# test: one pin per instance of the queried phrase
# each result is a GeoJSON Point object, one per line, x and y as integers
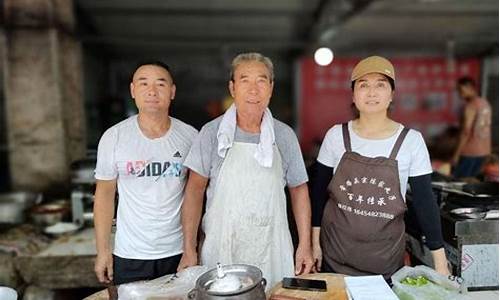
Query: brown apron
{"type": "Point", "coordinates": [362, 232]}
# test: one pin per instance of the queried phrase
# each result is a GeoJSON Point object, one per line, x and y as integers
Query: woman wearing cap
{"type": "Point", "coordinates": [360, 212]}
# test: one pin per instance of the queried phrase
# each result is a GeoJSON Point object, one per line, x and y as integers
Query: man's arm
{"type": "Point", "coordinates": [191, 214]}
{"type": "Point", "coordinates": [301, 206]}
{"type": "Point", "coordinates": [467, 122]}
{"type": "Point", "coordinates": [104, 209]}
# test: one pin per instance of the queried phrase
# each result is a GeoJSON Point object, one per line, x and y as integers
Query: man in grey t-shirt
{"type": "Point", "coordinates": [243, 160]}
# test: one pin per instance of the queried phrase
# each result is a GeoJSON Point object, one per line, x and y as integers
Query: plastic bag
{"type": "Point", "coordinates": [439, 287]}
{"type": "Point", "coordinates": [171, 287]}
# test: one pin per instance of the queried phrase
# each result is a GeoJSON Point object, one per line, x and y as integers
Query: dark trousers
{"type": "Point", "coordinates": [468, 166]}
{"type": "Point", "coordinates": [128, 270]}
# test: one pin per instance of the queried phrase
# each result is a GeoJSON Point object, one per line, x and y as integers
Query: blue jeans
{"type": "Point", "coordinates": [468, 166]}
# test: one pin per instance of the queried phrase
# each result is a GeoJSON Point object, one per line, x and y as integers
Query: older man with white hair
{"type": "Point", "coordinates": [243, 160]}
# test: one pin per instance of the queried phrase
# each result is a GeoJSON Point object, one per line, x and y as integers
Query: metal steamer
{"type": "Point", "coordinates": [252, 289]}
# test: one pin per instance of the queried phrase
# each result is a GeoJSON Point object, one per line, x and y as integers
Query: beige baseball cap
{"type": "Point", "coordinates": [373, 64]}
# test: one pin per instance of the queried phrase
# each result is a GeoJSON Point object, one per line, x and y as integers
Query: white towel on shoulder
{"type": "Point", "coordinates": [227, 128]}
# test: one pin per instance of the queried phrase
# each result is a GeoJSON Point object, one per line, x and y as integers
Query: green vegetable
{"type": "Point", "coordinates": [415, 281]}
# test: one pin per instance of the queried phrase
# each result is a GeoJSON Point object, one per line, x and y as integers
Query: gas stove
{"type": "Point", "coordinates": [471, 244]}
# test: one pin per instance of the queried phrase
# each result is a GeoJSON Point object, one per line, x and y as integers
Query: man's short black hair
{"type": "Point", "coordinates": [157, 63]}
{"type": "Point", "coordinates": [466, 80]}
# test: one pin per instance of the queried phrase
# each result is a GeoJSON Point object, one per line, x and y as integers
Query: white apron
{"type": "Point", "coordinates": [246, 221]}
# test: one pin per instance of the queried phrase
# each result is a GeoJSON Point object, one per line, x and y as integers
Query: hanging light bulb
{"type": "Point", "coordinates": [323, 56]}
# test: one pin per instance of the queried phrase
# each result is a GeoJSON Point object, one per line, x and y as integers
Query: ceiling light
{"type": "Point", "coordinates": [323, 56]}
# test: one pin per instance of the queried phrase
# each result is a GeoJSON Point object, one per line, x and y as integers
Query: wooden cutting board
{"type": "Point", "coordinates": [334, 284]}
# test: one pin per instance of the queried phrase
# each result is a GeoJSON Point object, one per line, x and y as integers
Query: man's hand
{"type": "Point", "coordinates": [303, 260]}
{"type": "Point", "coordinates": [104, 208]}
{"type": "Point", "coordinates": [317, 256]}
{"type": "Point", "coordinates": [103, 267]}
{"type": "Point", "coordinates": [188, 259]}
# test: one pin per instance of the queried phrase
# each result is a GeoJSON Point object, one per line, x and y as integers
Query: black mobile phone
{"type": "Point", "coordinates": [304, 284]}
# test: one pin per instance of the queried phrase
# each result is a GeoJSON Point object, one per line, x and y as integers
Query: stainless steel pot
{"type": "Point", "coordinates": [48, 214]}
{"type": "Point", "coordinates": [253, 285]}
{"type": "Point", "coordinates": [469, 212]}
{"type": "Point", "coordinates": [14, 204]}
{"type": "Point", "coordinates": [11, 212]}
{"type": "Point", "coordinates": [82, 171]}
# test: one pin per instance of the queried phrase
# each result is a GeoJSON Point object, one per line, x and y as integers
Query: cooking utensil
{"type": "Point", "coordinates": [252, 288]}
{"type": "Point", "coordinates": [492, 214]}
{"type": "Point", "coordinates": [224, 283]}
{"type": "Point", "coordinates": [469, 212]}
{"type": "Point", "coordinates": [7, 293]}
{"type": "Point", "coordinates": [61, 228]}
{"type": "Point", "coordinates": [82, 171]}
{"type": "Point", "coordinates": [48, 214]}
{"type": "Point", "coordinates": [11, 212]}
{"type": "Point", "coordinates": [482, 189]}
{"type": "Point", "coordinates": [88, 218]}
{"type": "Point", "coordinates": [14, 204]}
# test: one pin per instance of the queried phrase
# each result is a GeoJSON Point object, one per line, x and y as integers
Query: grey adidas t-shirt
{"type": "Point", "coordinates": [204, 160]}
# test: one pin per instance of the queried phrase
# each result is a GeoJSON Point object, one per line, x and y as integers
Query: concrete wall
{"type": "Point", "coordinates": [43, 93]}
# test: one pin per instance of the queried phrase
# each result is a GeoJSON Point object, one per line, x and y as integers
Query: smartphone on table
{"type": "Point", "coordinates": [304, 284]}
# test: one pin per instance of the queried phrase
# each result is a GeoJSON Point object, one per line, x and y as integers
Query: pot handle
{"type": "Point", "coordinates": [192, 294]}
{"type": "Point", "coordinates": [263, 282]}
